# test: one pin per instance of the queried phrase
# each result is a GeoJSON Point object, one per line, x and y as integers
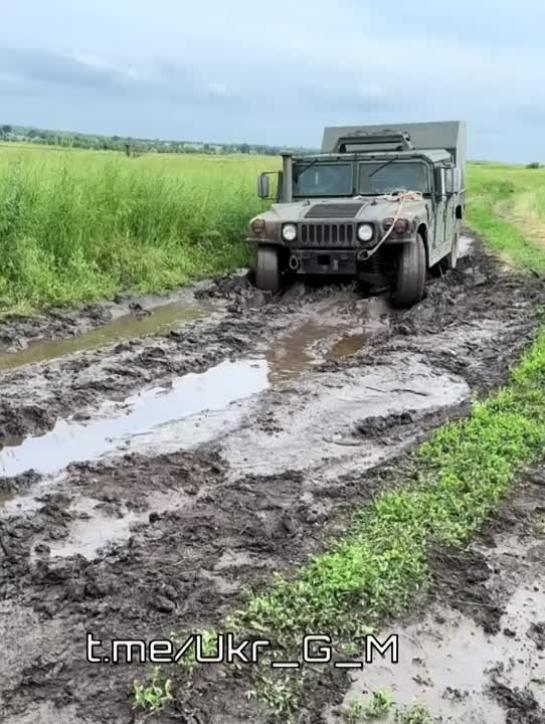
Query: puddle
{"type": "Point", "coordinates": [94, 529]}
{"type": "Point", "coordinates": [160, 320]}
{"type": "Point", "coordinates": [447, 662]}
{"type": "Point", "coordinates": [328, 335]}
{"type": "Point", "coordinates": [195, 409]}
{"type": "Point", "coordinates": [346, 346]}
{"type": "Point", "coordinates": [193, 399]}
{"type": "Point", "coordinates": [293, 353]}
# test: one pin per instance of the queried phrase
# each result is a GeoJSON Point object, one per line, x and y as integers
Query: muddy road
{"type": "Point", "coordinates": [147, 480]}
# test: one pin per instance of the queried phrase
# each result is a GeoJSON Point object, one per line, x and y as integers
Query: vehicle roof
{"type": "Point", "coordinates": [434, 156]}
{"type": "Point", "coordinates": [449, 135]}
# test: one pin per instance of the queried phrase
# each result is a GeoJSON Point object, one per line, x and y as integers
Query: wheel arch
{"type": "Point", "coordinates": [423, 232]}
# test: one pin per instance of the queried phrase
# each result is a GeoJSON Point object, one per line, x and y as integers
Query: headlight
{"type": "Point", "coordinates": [289, 232]}
{"type": "Point", "coordinates": [258, 226]}
{"type": "Point", "coordinates": [365, 232]}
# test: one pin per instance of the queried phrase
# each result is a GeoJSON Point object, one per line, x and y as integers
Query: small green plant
{"type": "Point", "coordinates": [354, 713]}
{"type": "Point", "coordinates": [281, 695]}
{"type": "Point", "coordinates": [153, 695]}
{"type": "Point", "coordinates": [416, 713]}
{"type": "Point", "coordinates": [376, 707]}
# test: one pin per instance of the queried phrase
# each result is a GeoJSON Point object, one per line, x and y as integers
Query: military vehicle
{"type": "Point", "coordinates": [383, 204]}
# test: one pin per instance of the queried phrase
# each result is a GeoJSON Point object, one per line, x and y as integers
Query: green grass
{"type": "Point", "coordinates": [80, 225]}
{"type": "Point", "coordinates": [506, 206]}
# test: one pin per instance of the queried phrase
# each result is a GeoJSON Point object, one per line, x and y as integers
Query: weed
{"type": "Point", "coordinates": [354, 713]}
{"type": "Point", "coordinates": [154, 694]}
{"type": "Point", "coordinates": [281, 695]}
{"type": "Point", "coordinates": [416, 713]}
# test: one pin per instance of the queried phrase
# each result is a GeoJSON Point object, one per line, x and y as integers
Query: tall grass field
{"type": "Point", "coordinates": [81, 225]}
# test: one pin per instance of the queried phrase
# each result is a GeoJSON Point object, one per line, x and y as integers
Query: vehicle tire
{"type": "Point", "coordinates": [411, 274]}
{"type": "Point", "coordinates": [267, 269]}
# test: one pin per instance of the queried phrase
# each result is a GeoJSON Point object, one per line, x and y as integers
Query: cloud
{"type": "Point", "coordinates": [239, 71]}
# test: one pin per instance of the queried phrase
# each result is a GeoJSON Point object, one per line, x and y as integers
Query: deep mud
{"type": "Point", "coordinates": [32, 339]}
{"type": "Point", "coordinates": [172, 472]}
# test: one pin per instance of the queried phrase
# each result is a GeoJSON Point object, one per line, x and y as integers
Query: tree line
{"type": "Point", "coordinates": [127, 145]}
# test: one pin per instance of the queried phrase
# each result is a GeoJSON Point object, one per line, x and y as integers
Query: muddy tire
{"type": "Point", "coordinates": [411, 274]}
{"type": "Point", "coordinates": [267, 269]}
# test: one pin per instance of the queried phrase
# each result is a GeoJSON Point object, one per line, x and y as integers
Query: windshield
{"type": "Point", "coordinates": [384, 177]}
{"type": "Point", "coordinates": [322, 179]}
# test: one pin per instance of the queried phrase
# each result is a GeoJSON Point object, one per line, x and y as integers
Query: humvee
{"type": "Point", "coordinates": [383, 204]}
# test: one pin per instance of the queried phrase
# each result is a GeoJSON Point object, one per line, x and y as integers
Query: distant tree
{"type": "Point", "coordinates": [244, 148]}
{"type": "Point", "coordinates": [6, 130]}
{"type": "Point", "coordinates": [534, 164]}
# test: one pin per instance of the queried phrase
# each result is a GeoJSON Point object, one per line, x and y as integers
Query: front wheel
{"type": "Point", "coordinates": [267, 270]}
{"type": "Point", "coordinates": [411, 274]}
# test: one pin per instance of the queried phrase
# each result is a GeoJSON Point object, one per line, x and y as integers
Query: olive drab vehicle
{"type": "Point", "coordinates": [383, 204]}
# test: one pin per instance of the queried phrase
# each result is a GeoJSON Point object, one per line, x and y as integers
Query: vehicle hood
{"type": "Point", "coordinates": [364, 209]}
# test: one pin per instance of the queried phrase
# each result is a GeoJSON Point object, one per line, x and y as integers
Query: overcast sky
{"type": "Point", "coordinates": [276, 72]}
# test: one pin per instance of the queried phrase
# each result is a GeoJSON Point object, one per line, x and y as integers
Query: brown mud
{"type": "Point", "coordinates": [147, 484]}
{"type": "Point", "coordinates": [126, 316]}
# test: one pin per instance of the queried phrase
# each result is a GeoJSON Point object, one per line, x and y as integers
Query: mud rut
{"type": "Point", "coordinates": [147, 482]}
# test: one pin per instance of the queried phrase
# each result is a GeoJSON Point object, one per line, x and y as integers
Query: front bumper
{"type": "Point", "coordinates": [324, 261]}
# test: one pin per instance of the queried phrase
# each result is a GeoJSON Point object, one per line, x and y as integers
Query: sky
{"type": "Point", "coordinates": [277, 73]}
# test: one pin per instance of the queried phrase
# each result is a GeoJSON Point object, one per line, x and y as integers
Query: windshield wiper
{"type": "Point", "coordinates": [388, 162]}
{"type": "Point", "coordinates": [299, 171]}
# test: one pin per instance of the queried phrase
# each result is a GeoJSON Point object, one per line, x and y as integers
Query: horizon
{"type": "Point", "coordinates": [121, 136]}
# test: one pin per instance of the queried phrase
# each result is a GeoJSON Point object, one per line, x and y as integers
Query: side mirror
{"type": "Point", "coordinates": [439, 181]}
{"type": "Point", "coordinates": [263, 186]}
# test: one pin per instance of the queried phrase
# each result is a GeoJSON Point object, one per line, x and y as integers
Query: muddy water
{"type": "Point", "coordinates": [196, 408]}
{"type": "Point", "coordinates": [193, 398]}
{"type": "Point", "coordinates": [160, 319]}
{"type": "Point", "coordinates": [297, 351]}
{"type": "Point", "coordinates": [448, 663]}
{"type": "Point", "coordinates": [449, 667]}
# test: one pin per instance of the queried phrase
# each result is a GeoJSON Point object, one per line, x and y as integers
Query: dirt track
{"type": "Point", "coordinates": [172, 471]}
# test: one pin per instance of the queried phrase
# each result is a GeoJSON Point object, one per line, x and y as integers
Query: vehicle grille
{"type": "Point", "coordinates": [334, 211]}
{"type": "Point", "coordinates": [327, 235]}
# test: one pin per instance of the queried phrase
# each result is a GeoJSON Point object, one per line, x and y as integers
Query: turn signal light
{"type": "Point", "coordinates": [258, 226]}
{"type": "Point", "coordinates": [401, 226]}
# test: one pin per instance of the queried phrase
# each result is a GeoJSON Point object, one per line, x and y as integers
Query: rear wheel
{"type": "Point", "coordinates": [267, 270]}
{"type": "Point", "coordinates": [411, 274]}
